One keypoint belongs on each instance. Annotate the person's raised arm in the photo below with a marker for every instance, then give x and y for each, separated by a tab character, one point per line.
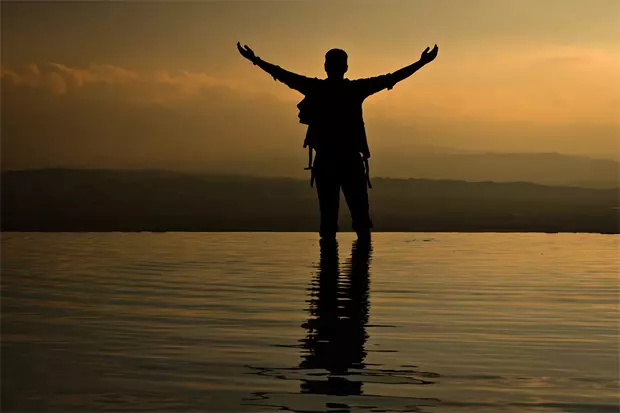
426	57
375	84
293	80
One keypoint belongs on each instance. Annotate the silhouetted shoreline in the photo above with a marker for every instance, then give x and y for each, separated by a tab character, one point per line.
71	200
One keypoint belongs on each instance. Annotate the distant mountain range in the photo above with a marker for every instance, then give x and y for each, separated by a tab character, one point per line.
543	168
157	200
428	162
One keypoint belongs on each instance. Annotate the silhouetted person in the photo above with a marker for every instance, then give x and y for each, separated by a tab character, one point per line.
332	109
339	307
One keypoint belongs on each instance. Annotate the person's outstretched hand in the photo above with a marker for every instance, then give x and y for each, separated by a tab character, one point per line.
427	56
246	52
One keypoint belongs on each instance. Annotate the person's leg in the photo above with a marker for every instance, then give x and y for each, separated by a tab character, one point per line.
355	189
328	190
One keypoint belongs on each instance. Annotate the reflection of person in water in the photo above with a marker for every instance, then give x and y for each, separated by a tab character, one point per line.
339	308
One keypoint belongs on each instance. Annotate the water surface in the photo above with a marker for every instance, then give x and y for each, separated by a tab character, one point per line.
252	322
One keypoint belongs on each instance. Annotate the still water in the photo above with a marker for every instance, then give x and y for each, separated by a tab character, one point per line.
259	322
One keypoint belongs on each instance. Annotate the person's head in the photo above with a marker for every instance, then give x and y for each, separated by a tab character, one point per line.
336	63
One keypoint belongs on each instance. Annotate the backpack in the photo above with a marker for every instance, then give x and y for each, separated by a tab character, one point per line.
308	114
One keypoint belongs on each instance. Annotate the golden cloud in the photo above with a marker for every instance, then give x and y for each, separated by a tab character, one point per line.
61	79
545	85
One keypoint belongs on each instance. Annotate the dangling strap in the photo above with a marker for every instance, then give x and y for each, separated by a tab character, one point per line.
310	166
367	167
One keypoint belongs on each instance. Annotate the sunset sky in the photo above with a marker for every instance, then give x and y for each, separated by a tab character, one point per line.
161	84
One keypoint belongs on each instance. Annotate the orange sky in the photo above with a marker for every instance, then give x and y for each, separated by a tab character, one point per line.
535	76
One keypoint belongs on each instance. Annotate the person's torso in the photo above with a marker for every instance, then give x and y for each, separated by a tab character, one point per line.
337	123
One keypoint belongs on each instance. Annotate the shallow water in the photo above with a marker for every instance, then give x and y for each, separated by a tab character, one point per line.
246	322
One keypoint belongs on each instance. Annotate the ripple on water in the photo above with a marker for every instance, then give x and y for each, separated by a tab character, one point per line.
242	322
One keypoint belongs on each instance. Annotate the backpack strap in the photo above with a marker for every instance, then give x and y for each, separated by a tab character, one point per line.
310	166
367	168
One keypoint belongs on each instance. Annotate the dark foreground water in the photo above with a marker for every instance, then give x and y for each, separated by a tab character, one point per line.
246	322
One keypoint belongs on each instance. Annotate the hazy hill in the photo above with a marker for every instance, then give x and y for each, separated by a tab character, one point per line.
429	162
542	168
151	200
